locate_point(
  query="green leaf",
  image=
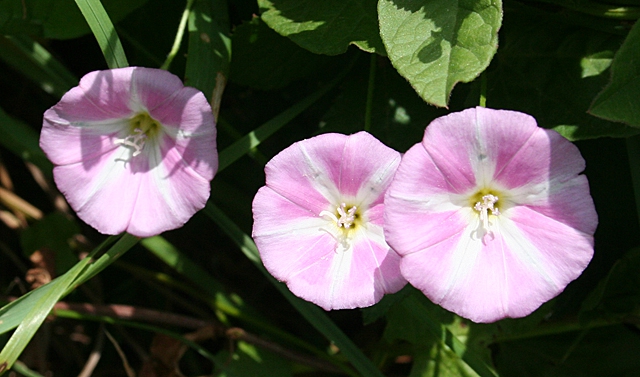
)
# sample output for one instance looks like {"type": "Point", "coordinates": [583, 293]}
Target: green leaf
{"type": "Point", "coordinates": [263, 59]}
{"type": "Point", "coordinates": [325, 27]}
{"type": "Point", "coordinates": [439, 361]}
{"type": "Point", "coordinates": [545, 68]}
{"type": "Point", "coordinates": [56, 19]}
{"type": "Point", "coordinates": [435, 336]}
{"type": "Point", "coordinates": [436, 44]}
{"type": "Point", "coordinates": [209, 46]}
{"type": "Point", "coordinates": [105, 33]}
{"type": "Point", "coordinates": [618, 101]}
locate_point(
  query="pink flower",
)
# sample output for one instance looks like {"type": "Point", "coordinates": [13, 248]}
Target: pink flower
{"type": "Point", "coordinates": [134, 150]}
{"type": "Point", "coordinates": [318, 221]}
{"type": "Point", "coordinates": [490, 214]}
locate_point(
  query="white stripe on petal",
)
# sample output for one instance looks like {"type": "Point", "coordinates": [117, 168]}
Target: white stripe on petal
{"type": "Point", "coordinates": [319, 178]}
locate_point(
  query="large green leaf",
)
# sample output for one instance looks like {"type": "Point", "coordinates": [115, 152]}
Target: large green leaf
{"type": "Point", "coordinates": [436, 44]}
{"type": "Point", "coordinates": [552, 67]}
{"type": "Point", "coordinates": [325, 27]}
{"type": "Point", "coordinates": [619, 100]}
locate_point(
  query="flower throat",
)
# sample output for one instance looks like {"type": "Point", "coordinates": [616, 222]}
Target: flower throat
{"type": "Point", "coordinates": [141, 128]}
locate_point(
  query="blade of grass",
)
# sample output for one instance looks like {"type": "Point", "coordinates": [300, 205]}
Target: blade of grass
{"type": "Point", "coordinates": [251, 140]}
{"type": "Point", "coordinates": [310, 312]}
{"type": "Point", "coordinates": [37, 313]}
{"type": "Point", "coordinates": [105, 33]}
{"type": "Point", "coordinates": [175, 259]}
{"type": "Point", "coordinates": [124, 243]}
{"type": "Point", "coordinates": [12, 314]}
{"type": "Point", "coordinates": [30, 310]}
{"type": "Point", "coordinates": [209, 49]}
{"type": "Point", "coordinates": [21, 368]}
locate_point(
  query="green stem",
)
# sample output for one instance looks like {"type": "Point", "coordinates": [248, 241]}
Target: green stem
{"type": "Point", "coordinates": [483, 89]}
{"type": "Point", "coordinates": [179, 35]}
{"type": "Point", "coordinates": [370, 89]}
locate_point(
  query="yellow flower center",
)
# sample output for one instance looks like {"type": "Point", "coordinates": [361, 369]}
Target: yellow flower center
{"type": "Point", "coordinates": [141, 127]}
{"type": "Point", "coordinates": [486, 203]}
{"type": "Point", "coordinates": [347, 219]}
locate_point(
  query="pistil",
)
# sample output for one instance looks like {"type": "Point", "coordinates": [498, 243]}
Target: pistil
{"type": "Point", "coordinates": [487, 204]}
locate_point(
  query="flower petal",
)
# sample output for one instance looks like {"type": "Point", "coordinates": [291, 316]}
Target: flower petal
{"type": "Point", "coordinates": [102, 191]}
{"type": "Point", "coordinates": [522, 255]}
{"type": "Point", "coordinates": [308, 250]}
{"type": "Point", "coordinates": [101, 95]}
{"type": "Point", "coordinates": [524, 153]}
{"type": "Point", "coordinates": [88, 136]}
{"type": "Point", "coordinates": [151, 89]}
{"type": "Point", "coordinates": [170, 194]}
{"type": "Point", "coordinates": [189, 130]}
{"type": "Point", "coordinates": [509, 275]}
{"type": "Point", "coordinates": [452, 143]}
{"type": "Point", "coordinates": [67, 144]}
{"type": "Point", "coordinates": [367, 168]}
{"type": "Point", "coordinates": [306, 173]}
{"type": "Point", "coordinates": [298, 248]}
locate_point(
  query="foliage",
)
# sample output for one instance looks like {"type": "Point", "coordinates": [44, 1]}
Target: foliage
{"type": "Point", "coordinates": [196, 300]}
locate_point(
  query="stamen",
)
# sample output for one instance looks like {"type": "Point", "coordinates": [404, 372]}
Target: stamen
{"type": "Point", "coordinates": [346, 220]}
{"type": "Point", "coordinates": [484, 207]}
{"type": "Point", "coordinates": [347, 217]}
{"type": "Point", "coordinates": [137, 141]}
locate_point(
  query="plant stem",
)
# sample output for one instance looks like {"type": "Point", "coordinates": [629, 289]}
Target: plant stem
{"type": "Point", "coordinates": [177, 41]}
